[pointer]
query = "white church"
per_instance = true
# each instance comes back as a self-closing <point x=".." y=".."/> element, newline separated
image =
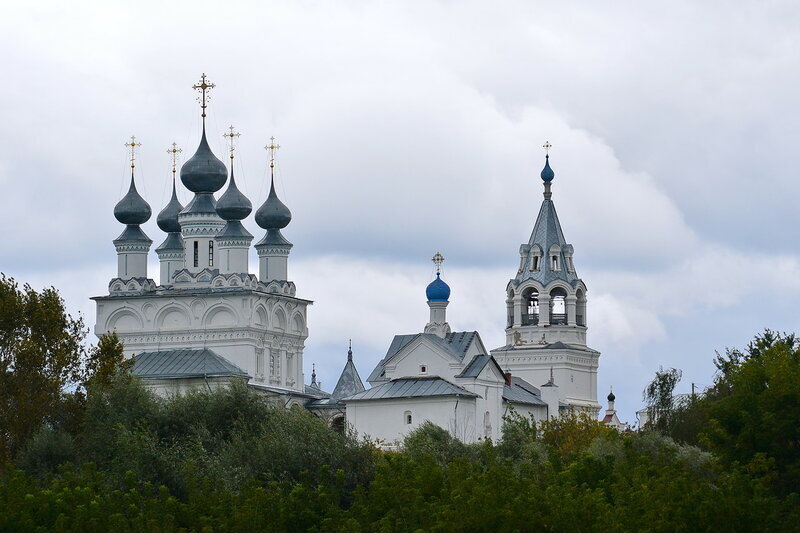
<point x="209" y="321"/>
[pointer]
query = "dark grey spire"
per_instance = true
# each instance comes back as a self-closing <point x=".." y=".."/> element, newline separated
<point x="349" y="381"/>
<point x="273" y="214"/>
<point x="168" y="217"/>
<point x="233" y="205"/>
<point x="203" y="172"/>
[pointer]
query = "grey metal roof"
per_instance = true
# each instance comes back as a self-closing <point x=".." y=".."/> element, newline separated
<point x="202" y="203"/>
<point x="456" y="344"/>
<point x="520" y="391"/>
<point x="174" y="241"/>
<point x="168" y="217"/>
<point x="546" y="232"/>
<point x="349" y="381"/>
<point x="175" y="364"/>
<point x="311" y="390"/>
<point x="476" y="366"/>
<point x="552" y="346"/>
<point x="417" y="387"/>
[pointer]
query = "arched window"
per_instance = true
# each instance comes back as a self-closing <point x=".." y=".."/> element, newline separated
<point x="580" y="308"/>
<point x="337" y="424"/>
<point x="407" y="418"/>
<point x="558" y="306"/>
<point x="530" y="310"/>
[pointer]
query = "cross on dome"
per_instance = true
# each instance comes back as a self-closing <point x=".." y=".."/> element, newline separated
<point x="272" y="147"/>
<point x="133" y="145"/>
<point x="438" y="259"/>
<point x="173" y="152"/>
<point x="204" y="87"/>
<point x="231" y="136"/>
<point x="547" y="147"/>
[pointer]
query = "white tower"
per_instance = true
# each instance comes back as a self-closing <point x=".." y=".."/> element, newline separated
<point x="273" y="216"/>
<point x="438" y="293"/>
<point x="171" y="254"/>
<point x="546" y="313"/>
<point x="132" y="245"/>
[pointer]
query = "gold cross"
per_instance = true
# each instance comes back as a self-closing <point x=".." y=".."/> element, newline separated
<point x="174" y="151"/>
<point x="438" y="259"/>
<point x="133" y="145"/>
<point x="272" y="147"/>
<point x="202" y="87"/>
<point x="232" y="136"/>
<point x="547" y="147"/>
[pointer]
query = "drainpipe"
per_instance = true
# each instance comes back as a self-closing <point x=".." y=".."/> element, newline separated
<point x="455" y="417"/>
<point x="205" y="378"/>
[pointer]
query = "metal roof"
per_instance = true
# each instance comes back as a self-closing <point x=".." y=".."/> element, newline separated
<point x="176" y="364"/>
<point x="411" y="388"/>
<point x="349" y="382"/>
<point x="456" y="344"/>
<point x="476" y="366"/>
<point x="520" y="391"/>
<point x="546" y="232"/>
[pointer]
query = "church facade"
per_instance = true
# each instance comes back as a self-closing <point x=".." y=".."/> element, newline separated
<point x="209" y="322"/>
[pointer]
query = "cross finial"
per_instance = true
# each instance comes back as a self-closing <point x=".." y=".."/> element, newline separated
<point x="547" y="147"/>
<point x="133" y="145"/>
<point x="231" y="136"/>
<point x="438" y="259"/>
<point x="173" y="153"/>
<point x="203" y="88"/>
<point x="350" y="351"/>
<point x="272" y="147"/>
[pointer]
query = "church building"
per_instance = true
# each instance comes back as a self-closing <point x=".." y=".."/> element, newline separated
<point x="209" y="322"/>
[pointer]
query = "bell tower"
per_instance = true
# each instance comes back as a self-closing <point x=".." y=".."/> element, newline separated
<point x="546" y="317"/>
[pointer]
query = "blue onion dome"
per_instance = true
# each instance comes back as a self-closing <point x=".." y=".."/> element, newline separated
<point x="168" y="217"/>
<point x="273" y="214"/>
<point x="132" y="209"/>
<point x="438" y="290"/>
<point x="203" y="172"/>
<point x="233" y="205"/>
<point x="547" y="172"/>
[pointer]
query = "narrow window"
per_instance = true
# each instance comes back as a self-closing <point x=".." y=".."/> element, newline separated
<point x="423" y="369"/>
<point x="555" y="262"/>
<point x="196" y="253"/>
<point x="407" y="417"/>
<point x="211" y="253"/>
<point x="535" y="262"/>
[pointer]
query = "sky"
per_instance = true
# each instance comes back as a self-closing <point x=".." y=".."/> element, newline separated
<point x="408" y="128"/>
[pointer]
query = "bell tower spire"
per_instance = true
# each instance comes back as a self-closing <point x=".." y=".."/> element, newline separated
<point x="133" y="211"/>
<point x="546" y="310"/>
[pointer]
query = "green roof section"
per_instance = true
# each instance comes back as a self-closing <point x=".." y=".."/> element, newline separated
<point x="177" y="364"/>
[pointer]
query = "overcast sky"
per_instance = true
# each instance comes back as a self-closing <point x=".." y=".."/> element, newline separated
<point x="414" y="127"/>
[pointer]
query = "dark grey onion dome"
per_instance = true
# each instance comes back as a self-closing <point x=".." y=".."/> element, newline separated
<point x="132" y="209"/>
<point x="611" y="397"/>
<point x="203" y="172"/>
<point x="233" y="205"/>
<point x="168" y="217"/>
<point x="273" y="214"/>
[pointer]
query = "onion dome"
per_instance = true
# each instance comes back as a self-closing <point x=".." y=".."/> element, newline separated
<point x="233" y="205"/>
<point x="611" y="396"/>
<point x="547" y="172"/>
<point x="203" y="172"/>
<point x="168" y="217"/>
<point x="438" y="290"/>
<point x="132" y="209"/>
<point x="273" y="214"/>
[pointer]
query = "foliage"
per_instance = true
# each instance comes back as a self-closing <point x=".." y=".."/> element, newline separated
<point x="41" y="348"/>
<point x="659" y="398"/>
<point x="105" y="361"/>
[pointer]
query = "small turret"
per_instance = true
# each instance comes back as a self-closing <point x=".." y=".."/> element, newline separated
<point x="132" y="210"/>
<point x="233" y="207"/>
<point x="273" y="216"/>
<point x="171" y="252"/>
<point x="438" y="294"/>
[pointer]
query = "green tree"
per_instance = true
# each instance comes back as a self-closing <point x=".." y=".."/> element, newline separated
<point x="659" y="398"/>
<point x="105" y="361"/>
<point x="41" y="348"/>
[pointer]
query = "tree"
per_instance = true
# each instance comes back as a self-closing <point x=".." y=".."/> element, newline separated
<point x="105" y="361"/>
<point x="41" y="347"/>
<point x="658" y="397"/>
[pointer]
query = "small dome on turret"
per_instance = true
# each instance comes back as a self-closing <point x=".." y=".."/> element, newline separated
<point x="168" y="217"/>
<point x="233" y="205"/>
<point x="203" y="172"/>
<point x="273" y="214"/>
<point x="547" y="172"/>
<point x="132" y="209"/>
<point x="438" y="290"/>
<point x="611" y="396"/>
